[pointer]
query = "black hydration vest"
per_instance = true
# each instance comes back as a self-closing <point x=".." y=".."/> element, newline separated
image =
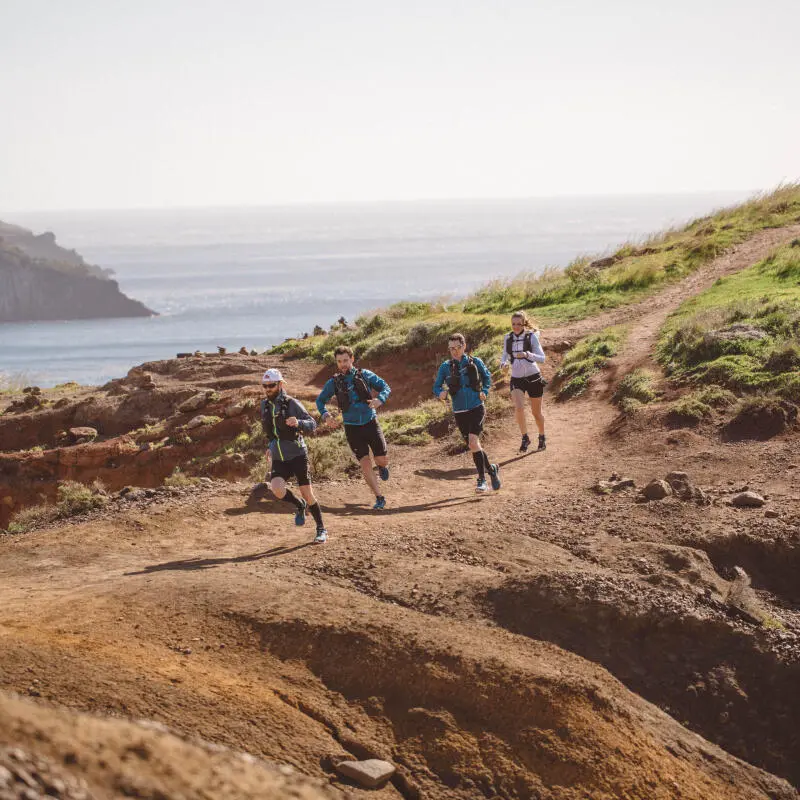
<point x="526" y="343"/>
<point x="473" y="376"/>
<point x="275" y="427"/>
<point x="363" y="392"/>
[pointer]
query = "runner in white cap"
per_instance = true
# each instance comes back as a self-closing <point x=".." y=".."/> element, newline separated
<point x="284" y="420"/>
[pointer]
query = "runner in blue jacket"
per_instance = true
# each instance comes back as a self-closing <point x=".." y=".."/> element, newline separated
<point x="467" y="381"/>
<point x="353" y="389"/>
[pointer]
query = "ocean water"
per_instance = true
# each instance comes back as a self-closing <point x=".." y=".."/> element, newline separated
<point x="254" y="276"/>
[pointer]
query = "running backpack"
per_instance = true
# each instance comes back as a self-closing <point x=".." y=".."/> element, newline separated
<point x="363" y="392"/>
<point x="526" y="343"/>
<point x="275" y="426"/>
<point x="473" y="376"/>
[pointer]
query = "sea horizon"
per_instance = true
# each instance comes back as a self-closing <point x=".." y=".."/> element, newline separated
<point x="255" y="275"/>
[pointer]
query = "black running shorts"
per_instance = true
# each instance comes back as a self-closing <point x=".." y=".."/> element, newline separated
<point x="533" y="385"/>
<point x="363" y="438"/>
<point x="296" y="468"/>
<point x="471" y="421"/>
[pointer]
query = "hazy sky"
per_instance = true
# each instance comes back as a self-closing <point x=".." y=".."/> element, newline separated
<point x="112" y="104"/>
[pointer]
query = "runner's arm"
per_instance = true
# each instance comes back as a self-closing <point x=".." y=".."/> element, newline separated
<point x="379" y="384"/>
<point x="486" y="377"/>
<point x="323" y="397"/>
<point x="438" y="384"/>
<point x="504" y="356"/>
<point x="537" y="354"/>
<point x="304" y="420"/>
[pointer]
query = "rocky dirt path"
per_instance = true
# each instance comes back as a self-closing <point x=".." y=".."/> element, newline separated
<point x="222" y="620"/>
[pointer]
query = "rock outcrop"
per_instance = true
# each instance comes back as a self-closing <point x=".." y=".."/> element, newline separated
<point x="40" y="281"/>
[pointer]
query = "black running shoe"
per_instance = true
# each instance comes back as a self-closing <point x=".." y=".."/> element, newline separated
<point x="525" y="443"/>
<point x="494" y="477"/>
<point x="542" y="443"/>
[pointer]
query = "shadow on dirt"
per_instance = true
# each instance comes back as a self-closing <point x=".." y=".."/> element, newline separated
<point x="210" y="563"/>
<point x="358" y="509"/>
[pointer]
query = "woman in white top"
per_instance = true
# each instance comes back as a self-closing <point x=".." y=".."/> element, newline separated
<point x="521" y="349"/>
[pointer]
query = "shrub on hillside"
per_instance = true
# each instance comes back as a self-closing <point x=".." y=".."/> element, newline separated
<point x="73" y="499"/>
<point x="715" y="396"/>
<point x="585" y="359"/>
<point x="328" y="455"/>
<point x="636" y="385"/>
<point x="687" y="412"/>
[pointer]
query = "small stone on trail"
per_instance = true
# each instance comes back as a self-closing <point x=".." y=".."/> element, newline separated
<point x="657" y="490"/>
<point x="371" y="773"/>
<point x="747" y="500"/>
<point x="771" y="513"/>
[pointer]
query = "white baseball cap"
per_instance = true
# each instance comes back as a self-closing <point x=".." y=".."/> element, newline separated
<point x="272" y="376"/>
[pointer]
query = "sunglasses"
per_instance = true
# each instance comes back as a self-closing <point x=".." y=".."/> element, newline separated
<point x="270" y="385"/>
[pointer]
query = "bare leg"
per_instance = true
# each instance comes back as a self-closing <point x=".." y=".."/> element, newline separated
<point x="536" y="410"/>
<point x="474" y="443"/>
<point x="369" y="475"/>
<point x="278" y="486"/>
<point x="382" y="461"/>
<point x="308" y="494"/>
<point x="519" y="413"/>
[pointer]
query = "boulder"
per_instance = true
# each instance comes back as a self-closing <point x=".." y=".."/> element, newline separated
<point x="195" y="402"/>
<point x="615" y="484"/>
<point x="236" y="410"/>
<point x="747" y="500"/>
<point x="371" y="773"/>
<point x="657" y="490"/>
<point x="82" y="435"/>
<point x="739" y="330"/>
<point x="199" y="421"/>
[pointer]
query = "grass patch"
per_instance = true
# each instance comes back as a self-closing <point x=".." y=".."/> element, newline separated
<point x="636" y="385"/>
<point x="328" y="456"/>
<point x="403" y="327"/>
<point x="687" y="412"/>
<point x="588" y="357"/>
<point x="743" y="334"/>
<point x="417" y="425"/>
<point x="586" y="287"/>
<point x="73" y="499"/>
<point x="179" y="480"/>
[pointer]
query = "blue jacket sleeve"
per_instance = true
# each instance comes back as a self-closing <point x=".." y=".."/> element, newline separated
<point x="379" y="384"/>
<point x="325" y="395"/>
<point x="441" y="376"/>
<point x="486" y="377"/>
<point x="305" y="420"/>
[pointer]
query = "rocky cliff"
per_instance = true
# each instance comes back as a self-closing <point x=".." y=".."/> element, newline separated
<point x="41" y="281"/>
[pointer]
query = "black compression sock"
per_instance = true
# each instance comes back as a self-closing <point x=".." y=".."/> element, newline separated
<point x="290" y="498"/>
<point x="478" y="459"/>
<point x="316" y="512"/>
<point x="486" y="462"/>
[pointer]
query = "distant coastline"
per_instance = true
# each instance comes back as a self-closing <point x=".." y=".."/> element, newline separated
<point x="41" y="281"/>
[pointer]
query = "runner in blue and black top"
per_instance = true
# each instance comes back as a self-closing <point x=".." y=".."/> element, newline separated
<point x="354" y="390"/>
<point x="284" y="421"/>
<point x="467" y="381"/>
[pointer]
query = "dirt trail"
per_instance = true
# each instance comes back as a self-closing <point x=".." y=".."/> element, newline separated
<point x="222" y="621"/>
